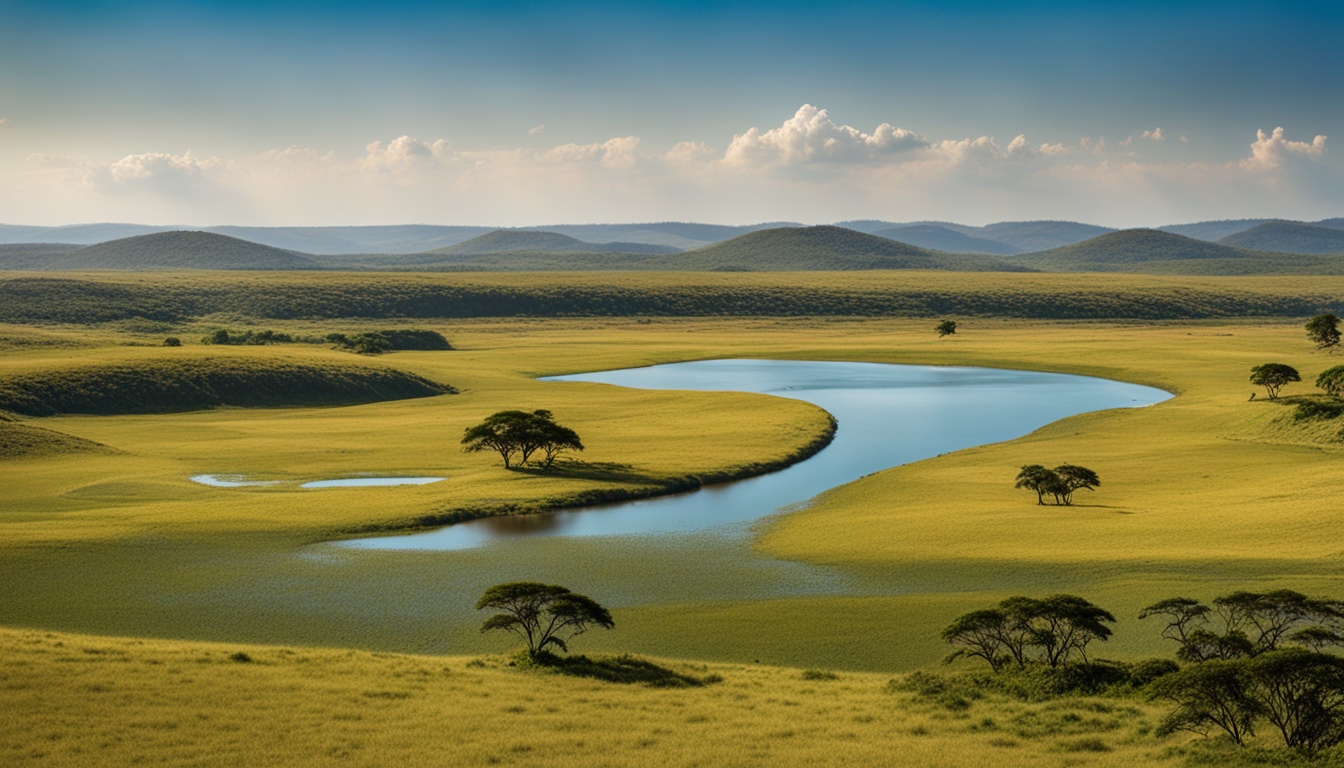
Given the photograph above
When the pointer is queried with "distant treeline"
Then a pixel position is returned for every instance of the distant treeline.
(283, 297)
(164, 386)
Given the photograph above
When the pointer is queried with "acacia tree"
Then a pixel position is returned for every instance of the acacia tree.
(543, 615)
(1059, 482)
(1022, 630)
(1252, 623)
(946, 328)
(1323, 330)
(1074, 478)
(1272, 376)
(1332, 380)
(1035, 477)
(524, 434)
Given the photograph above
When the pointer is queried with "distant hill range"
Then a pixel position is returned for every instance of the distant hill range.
(1244, 246)
(825, 248)
(1289, 237)
(1155, 251)
(160, 250)
(516, 241)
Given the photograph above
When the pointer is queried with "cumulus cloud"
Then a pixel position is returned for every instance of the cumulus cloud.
(809, 168)
(536, 129)
(1271, 151)
(810, 136)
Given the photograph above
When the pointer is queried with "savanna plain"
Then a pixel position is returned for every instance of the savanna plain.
(151, 619)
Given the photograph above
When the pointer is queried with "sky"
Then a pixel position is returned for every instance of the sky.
(298, 112)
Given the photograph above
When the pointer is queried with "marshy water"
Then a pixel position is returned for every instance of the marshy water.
(888, 415)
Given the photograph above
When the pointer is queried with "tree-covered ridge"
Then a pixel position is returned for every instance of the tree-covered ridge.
(1289, 237)
(169, 385)
(180, 250)
(824, 248)
(281, 297)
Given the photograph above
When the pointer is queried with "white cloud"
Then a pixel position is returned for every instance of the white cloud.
(536, 129)
(810, 168)
(1271, 151)
(4, 123)
(810, 136)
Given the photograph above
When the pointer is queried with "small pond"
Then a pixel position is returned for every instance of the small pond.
(888, 415)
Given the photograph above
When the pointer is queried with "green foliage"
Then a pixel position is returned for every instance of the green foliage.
(172, 341)
(377, 342)
(625, 669)
(164, 386)
(1289, 237)
(542, 615)
(1323, 330)
(1210, 696)
(1024, 630)
(1249, 624)
(1332, 380)
(1060, 482)
(1273, 376)
(946, 328)
(223, 336)
(519, 432)
(282, 296)
(1312, 410)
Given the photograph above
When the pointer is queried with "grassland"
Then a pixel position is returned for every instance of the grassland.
(1201, 495)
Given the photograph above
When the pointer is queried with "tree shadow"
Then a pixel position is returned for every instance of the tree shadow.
(604, 471)
(625, 669)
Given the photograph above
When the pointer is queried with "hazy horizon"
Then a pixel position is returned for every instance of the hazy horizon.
(298, 113)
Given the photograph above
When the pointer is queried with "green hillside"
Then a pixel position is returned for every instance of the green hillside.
(25, 441)
(1289, 237)
(196, 383)
(1126, 250)
(33, 255)
(182, 250)
(826, 248)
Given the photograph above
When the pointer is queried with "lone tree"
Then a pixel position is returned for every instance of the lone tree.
(523, 434)
(946, 328)
(543, 615)
(1272, 376)
(1323, 330)
(1332, 380)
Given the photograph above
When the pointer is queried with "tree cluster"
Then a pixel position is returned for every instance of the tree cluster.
(1021, 631)
(523, 435)
(1256, 658)
(1060, 482)
(946, 328)
(253, 338)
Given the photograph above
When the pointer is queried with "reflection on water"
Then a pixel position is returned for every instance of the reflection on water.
(887, 414)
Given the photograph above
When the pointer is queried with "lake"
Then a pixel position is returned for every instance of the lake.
(888, 415)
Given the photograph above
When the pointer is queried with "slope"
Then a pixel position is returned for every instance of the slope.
(1289, 237)
(182, 250)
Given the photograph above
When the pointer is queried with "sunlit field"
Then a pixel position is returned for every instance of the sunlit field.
(103, 534)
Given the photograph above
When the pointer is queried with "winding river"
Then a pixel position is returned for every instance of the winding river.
(888, 415)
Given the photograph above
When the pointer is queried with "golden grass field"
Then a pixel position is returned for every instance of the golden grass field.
(1201, 495)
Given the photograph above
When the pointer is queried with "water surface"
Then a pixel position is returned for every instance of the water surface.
(888, 415)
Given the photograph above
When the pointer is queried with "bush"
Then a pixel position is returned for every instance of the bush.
(172, 341)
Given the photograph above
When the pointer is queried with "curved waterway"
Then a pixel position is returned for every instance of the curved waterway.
(888, 415)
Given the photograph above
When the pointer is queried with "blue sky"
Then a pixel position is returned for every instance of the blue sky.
(527, 113)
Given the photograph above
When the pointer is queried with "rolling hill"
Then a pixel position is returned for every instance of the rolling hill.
(517, 241)
(1150, 250)
(1037, 235)
(1288, 237)
(33, 255)
(824, 248)
(181, 250)
(941, 238)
